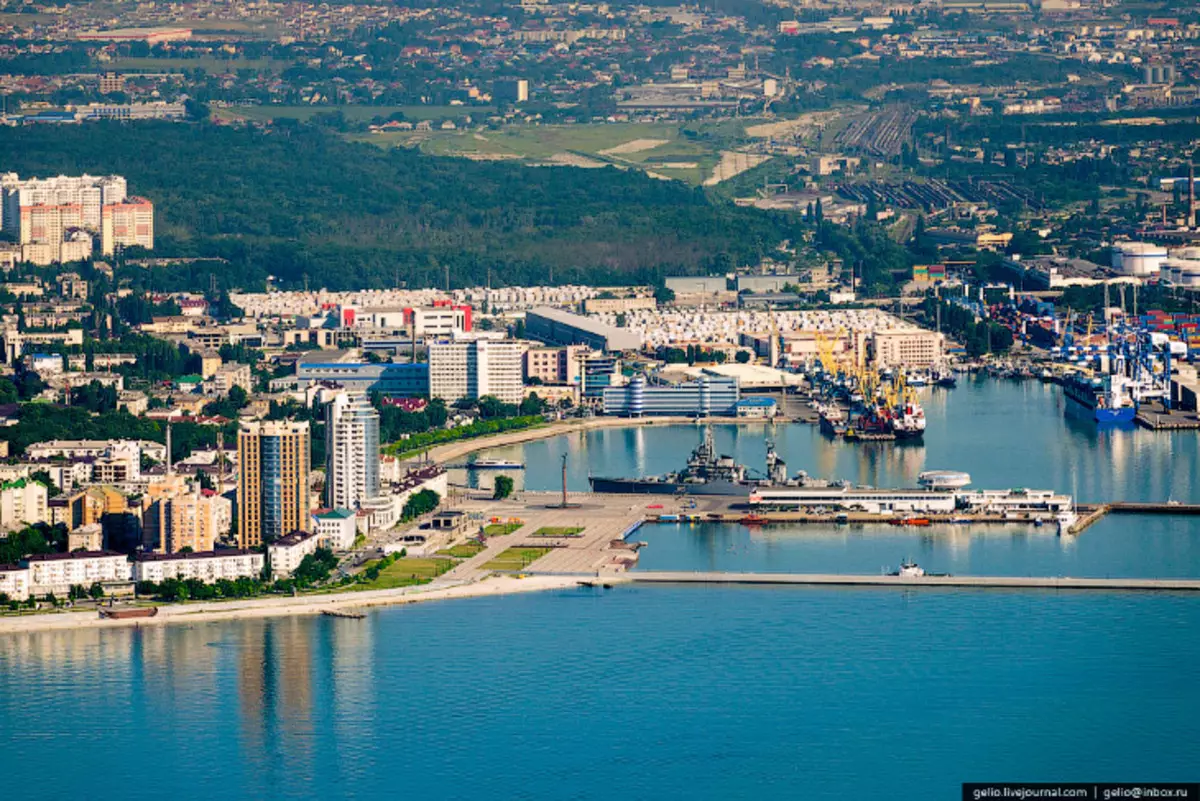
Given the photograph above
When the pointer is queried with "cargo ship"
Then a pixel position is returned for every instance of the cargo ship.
(706, 474)
(1106, 397)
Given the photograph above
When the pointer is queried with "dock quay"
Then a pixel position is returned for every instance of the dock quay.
(1156, 417)
(982, 582)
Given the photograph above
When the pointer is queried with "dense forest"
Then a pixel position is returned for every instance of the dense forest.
(298, 202)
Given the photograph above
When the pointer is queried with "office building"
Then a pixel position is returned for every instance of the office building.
(207, 566)
(442, 319)
(128, 224)
(351, 451)
(474, 368)
(907, 348)
(707, 396)
(347, 369)
(272, 493)
(598, 372)
(557, 327)
(513, 90)
(552, 365)
(336, 529)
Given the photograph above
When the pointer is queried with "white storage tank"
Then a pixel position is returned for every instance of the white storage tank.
(1184, 272)
(1138, 258)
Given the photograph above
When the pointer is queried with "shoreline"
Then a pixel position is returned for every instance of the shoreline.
(287, 606)
(454, 450)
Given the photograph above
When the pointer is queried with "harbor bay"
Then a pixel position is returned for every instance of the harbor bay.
(1006, 434)
(817, 693)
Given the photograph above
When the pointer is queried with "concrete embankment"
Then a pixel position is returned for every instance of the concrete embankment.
(984, 582)
(280, 607)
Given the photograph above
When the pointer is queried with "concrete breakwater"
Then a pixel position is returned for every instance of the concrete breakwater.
(984, 582)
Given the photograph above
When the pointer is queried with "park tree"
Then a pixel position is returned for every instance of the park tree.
(504, 488)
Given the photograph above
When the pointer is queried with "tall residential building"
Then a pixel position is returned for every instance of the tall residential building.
(273, 500)
(473, 368)
(351, 451)
(193, 518)
(127, 224)
(90, 192)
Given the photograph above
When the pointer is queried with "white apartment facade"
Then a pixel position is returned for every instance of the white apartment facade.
(14, 582)
(206, 566)
(58, 572)
(286, 553)
(23, 502)
(336, 529)
(474, 368)
(352, 450)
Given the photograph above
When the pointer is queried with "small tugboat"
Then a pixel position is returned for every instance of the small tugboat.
(909, 569)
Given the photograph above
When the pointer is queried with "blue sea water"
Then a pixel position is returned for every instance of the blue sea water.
(641, 693)
(674, 692)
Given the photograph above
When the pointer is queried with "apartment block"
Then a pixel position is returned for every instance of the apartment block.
(273, 492)
(128, 224)
(58, 572)
(286, 553)
(206, 566)
(352, 451)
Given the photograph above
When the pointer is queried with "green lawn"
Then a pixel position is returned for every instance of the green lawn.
(464, 551)
(407, 572)
(558, 531)
(516, 558)
(500, 529)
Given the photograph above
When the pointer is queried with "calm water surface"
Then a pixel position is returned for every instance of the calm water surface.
(635, 693)
(1004, 433)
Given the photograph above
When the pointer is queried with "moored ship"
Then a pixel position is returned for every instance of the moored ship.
(1105, 397)
(707, 473)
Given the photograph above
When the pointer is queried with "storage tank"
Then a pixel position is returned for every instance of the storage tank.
(1188, 272)
(1138, 258)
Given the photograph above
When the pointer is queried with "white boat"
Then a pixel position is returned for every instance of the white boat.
(495, 464)
(1066, 519)
(943, 479)
(910, 569)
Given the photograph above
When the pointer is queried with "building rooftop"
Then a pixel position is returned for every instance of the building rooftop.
(169, 557)
(56, 557)
(293, 539)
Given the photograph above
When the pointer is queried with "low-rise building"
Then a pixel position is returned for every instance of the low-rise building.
(349, 370)
(705, 397)
(206, 566)
(14, 582)
(286, 553)
(58, 572)
(335, 528)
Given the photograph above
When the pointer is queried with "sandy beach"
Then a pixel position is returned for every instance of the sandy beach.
(279, 607)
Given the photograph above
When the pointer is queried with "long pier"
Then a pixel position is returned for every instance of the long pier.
(983, 582)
